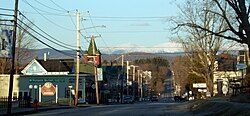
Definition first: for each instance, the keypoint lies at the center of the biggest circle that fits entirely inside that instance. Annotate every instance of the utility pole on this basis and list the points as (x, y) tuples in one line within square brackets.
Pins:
[(77, 56), (127, 77), (122, 80), (12, 60), (133, 83), (78, 15), (138, 85), (94, 63)]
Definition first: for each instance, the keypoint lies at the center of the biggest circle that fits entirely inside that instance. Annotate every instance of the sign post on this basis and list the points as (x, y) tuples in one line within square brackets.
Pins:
[(48, 89)]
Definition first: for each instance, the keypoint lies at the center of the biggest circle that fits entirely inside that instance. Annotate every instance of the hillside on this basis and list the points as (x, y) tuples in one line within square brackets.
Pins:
[(68, 54)]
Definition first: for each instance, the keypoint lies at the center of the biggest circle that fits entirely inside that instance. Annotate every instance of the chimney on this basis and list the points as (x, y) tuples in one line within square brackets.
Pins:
[(44, 56)]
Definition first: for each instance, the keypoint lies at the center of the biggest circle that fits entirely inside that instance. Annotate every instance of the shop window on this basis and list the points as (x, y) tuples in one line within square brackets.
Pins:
[(14, 95), (20, 95)]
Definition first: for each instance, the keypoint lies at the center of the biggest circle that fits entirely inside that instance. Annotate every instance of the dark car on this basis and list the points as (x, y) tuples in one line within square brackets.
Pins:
[(154, 98), (128, 99), (178, 98)]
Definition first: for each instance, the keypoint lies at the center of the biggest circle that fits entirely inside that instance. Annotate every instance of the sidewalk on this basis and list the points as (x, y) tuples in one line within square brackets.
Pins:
[(21, 111)]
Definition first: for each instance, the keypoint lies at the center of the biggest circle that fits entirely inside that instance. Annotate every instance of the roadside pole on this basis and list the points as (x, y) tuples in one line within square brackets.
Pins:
[(77, 54), (12, 60)]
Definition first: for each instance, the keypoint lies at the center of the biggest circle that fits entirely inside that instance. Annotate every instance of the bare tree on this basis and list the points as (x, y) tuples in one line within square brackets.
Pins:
[(23, 44), (235, 13), (180, 67), (4, 59), (201, 46)]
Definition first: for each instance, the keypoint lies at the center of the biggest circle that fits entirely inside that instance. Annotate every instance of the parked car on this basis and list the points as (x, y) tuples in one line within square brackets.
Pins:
[(146, 98), (128, 99), (154, 98), (178, 98), (82, 101)]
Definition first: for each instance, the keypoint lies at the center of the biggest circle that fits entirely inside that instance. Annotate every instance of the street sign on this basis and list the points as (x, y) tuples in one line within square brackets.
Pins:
[(48, 89), (199, 85), (99, 74), (241, 66)]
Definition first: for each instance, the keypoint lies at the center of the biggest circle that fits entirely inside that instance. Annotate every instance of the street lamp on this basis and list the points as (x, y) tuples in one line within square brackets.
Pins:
[(35, 87), (30, 88), (70, 87)]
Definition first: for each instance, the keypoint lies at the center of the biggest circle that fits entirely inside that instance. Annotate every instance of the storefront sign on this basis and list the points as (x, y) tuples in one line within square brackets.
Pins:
[(99, 74), (48, 89), (199, 85), (42, 80)]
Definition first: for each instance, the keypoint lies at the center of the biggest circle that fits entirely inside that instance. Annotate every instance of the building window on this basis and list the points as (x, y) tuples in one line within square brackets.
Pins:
[(241, 60), (14, 95), (241, 56), (20, 95), (23, 95)]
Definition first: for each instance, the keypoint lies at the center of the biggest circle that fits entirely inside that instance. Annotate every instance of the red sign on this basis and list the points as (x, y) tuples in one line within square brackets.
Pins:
[(48, 89)]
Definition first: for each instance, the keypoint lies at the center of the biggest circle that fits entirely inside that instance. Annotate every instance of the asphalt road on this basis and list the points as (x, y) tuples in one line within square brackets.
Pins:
[(138, 109)]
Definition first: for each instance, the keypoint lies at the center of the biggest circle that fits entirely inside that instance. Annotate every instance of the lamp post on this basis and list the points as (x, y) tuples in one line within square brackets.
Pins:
[(30, 88), (70, 87), (35, 87)]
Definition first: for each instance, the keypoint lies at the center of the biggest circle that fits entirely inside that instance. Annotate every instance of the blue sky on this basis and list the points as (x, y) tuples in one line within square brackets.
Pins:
[(139, 22)]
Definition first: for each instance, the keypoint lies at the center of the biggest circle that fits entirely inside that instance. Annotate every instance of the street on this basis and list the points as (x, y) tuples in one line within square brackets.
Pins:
[(138, 109)]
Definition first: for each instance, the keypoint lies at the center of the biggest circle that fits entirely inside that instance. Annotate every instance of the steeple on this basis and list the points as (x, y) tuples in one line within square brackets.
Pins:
[(92, 50), (92, 53)]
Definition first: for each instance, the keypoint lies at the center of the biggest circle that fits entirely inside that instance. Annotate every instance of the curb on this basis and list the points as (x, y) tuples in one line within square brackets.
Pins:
[(41, 109)]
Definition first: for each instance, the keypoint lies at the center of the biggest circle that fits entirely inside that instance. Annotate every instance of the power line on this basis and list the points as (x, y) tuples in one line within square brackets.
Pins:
[(109, 17), (98, 32), (132, 32), (6, 15), (46, 17), (58, 5), (68, 15), (6, 20), (6, 9), (44, 36), (64, 10), (53, 14), (44, 31), (6, 25), (47, 6), (67, 54)]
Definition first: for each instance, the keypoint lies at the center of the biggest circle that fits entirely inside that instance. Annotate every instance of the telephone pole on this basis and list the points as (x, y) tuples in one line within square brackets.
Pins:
[(12, 60), (77, 56), (95, 71), (78, 15)]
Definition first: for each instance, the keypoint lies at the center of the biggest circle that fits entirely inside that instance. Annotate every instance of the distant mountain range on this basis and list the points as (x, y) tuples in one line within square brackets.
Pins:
[(116, 54), (130, 51)]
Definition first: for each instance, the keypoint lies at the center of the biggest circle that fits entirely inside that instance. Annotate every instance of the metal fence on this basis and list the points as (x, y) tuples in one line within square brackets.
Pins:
[(16, 102)]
